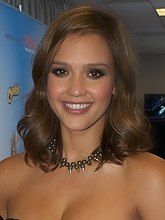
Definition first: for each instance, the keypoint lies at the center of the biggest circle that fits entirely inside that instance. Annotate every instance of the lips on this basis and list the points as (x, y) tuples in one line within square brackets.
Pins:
[(76, 107)]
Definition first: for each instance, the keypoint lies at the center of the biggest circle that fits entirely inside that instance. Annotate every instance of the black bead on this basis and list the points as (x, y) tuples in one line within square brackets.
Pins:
[(84, 161), (73, 164), (67, 164), (79, 162), (90, 158), (89, 162)]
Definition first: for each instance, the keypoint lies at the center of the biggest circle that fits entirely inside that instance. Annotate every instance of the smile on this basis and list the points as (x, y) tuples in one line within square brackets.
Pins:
[(77, 106)]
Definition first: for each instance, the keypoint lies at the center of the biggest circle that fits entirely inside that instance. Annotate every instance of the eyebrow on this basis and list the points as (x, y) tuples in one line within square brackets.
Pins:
[(87, 65)]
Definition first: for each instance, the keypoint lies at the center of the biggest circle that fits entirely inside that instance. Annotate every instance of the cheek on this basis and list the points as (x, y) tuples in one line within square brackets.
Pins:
[(103, 94), (53, 90)]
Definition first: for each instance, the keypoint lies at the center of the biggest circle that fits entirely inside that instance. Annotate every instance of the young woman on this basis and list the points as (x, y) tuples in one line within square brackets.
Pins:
[(85, 139)]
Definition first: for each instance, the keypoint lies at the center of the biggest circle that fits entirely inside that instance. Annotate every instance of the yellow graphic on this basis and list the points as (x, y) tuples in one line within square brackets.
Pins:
[(12, 91)]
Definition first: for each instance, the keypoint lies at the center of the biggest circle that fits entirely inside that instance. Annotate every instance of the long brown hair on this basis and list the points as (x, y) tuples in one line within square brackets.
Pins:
[(126, 131)]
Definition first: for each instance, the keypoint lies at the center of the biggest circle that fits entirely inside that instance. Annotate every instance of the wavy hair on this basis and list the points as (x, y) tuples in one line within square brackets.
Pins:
[(126, 131)]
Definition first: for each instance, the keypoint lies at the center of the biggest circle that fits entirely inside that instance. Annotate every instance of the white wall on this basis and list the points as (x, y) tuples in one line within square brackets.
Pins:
[(151, 76)]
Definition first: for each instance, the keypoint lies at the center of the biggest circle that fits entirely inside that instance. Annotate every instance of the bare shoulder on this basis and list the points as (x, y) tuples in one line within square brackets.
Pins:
[(12, 171), (146, 163), (146, 168), (11, 165), (147, 174)]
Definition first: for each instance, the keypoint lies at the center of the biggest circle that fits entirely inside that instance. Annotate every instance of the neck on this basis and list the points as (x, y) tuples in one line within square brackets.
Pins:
[(79, 144)]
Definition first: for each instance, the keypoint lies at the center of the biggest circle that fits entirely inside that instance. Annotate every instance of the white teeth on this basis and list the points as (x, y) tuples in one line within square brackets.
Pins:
[(77, 106)]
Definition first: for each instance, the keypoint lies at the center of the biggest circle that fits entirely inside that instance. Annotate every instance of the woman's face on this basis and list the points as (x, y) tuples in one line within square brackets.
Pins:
[(81, 82)]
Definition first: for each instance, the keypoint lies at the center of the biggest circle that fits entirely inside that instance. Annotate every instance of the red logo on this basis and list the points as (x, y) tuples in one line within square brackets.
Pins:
[(29, 42)]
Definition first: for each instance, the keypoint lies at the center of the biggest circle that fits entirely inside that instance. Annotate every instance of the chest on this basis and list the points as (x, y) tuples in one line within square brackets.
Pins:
[(78, 199)]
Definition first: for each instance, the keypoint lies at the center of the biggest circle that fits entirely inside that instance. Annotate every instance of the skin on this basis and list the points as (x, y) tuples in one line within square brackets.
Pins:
[(133, 191), (80, 76)]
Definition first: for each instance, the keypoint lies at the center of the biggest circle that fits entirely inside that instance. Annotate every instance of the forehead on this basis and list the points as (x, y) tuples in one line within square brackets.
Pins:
[(93, 46)]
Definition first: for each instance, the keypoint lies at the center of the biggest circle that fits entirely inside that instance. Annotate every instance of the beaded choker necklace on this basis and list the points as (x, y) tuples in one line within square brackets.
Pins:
[(79, 165)]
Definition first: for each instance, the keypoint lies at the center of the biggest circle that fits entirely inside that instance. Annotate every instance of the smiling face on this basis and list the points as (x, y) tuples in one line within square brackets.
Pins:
[(81, 82)]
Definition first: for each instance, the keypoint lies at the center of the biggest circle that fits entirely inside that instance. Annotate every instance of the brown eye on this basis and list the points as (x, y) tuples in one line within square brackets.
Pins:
[(96, 73), (59, 71)]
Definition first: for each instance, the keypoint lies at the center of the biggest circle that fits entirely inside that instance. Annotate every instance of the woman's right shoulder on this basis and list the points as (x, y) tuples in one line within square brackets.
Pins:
[(11, 172), (9, 165), (11, 169)]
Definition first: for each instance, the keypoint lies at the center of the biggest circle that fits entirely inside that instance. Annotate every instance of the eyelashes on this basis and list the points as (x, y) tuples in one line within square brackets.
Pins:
[(93, 73), (59, 71), (96, 73)]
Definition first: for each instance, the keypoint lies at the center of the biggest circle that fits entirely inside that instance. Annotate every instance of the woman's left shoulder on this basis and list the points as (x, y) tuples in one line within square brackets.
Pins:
[(146, 164), (146, 172)]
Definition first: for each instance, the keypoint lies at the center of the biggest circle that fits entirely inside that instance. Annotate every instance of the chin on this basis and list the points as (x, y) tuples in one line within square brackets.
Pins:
[(76, 127)]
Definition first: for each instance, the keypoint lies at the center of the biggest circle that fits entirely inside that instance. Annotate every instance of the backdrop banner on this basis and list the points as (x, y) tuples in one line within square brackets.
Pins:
[(19, 37)]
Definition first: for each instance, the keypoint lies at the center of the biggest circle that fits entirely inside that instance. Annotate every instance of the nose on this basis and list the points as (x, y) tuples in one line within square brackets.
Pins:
[(76, 86)]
